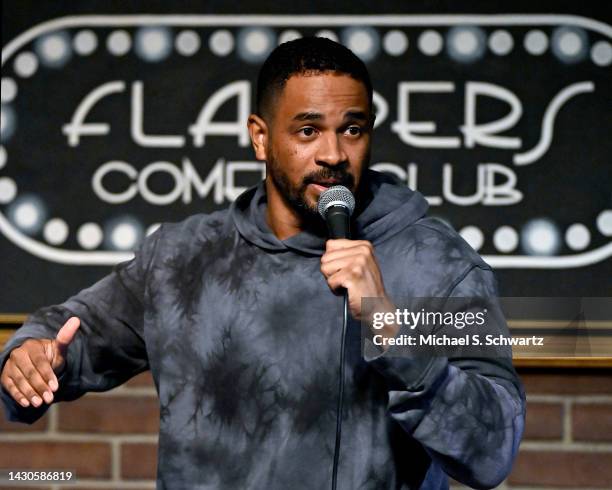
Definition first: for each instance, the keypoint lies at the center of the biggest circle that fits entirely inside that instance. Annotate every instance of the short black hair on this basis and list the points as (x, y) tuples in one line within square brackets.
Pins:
[(304, 56)]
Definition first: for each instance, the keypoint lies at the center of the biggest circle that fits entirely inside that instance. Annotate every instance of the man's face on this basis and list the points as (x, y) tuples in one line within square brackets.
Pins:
[(319, 136)]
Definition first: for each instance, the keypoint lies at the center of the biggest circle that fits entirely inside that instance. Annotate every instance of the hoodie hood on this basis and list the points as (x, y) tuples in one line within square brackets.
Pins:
[(390, 207)]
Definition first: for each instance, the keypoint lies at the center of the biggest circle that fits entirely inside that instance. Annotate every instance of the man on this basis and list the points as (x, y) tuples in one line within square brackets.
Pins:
[(235, 314)]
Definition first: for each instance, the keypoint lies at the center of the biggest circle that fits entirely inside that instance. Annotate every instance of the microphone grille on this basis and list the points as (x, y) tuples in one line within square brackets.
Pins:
[(337, 195)]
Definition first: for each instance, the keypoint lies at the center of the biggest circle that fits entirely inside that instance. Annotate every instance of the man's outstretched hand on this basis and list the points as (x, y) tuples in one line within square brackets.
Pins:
[(29, 374)]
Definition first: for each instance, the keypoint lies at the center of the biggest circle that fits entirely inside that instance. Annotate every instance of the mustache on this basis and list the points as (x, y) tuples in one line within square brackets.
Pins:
[(340, 176)]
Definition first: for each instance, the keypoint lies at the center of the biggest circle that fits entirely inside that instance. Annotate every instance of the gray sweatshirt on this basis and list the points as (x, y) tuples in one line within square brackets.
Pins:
[(242, 336)]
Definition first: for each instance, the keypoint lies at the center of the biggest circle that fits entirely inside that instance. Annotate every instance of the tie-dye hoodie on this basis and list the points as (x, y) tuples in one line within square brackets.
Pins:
[(242, 336)]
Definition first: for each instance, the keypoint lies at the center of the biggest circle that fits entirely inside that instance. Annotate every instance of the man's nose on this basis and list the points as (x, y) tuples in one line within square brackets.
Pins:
[(331, 152)]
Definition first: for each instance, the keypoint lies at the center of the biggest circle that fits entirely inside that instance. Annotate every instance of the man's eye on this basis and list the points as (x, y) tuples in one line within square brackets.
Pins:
[(354, 130), (307, 131)]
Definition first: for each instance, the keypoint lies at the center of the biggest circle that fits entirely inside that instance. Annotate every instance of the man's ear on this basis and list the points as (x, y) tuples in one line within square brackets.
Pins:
[(259, 132)]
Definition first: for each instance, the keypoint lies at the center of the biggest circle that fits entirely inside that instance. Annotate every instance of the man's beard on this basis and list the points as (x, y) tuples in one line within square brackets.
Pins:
[(295, 196)]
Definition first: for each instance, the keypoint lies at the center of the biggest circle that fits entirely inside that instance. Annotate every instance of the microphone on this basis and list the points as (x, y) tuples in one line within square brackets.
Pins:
[(336, 205)]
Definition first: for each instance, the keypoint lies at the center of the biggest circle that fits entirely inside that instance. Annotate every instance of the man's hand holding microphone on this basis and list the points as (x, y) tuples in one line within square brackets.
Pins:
[(30, 373), (351, 264)]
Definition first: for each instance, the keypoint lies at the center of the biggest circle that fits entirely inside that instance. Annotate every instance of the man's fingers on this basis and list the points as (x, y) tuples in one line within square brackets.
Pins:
[(67, 332), (342, 243), (360, 249), (26, 388), (342, 253), (35, 381), (339, 280), (28, 376), (59, 348), (42, 364), (17, 395), (332, 266)]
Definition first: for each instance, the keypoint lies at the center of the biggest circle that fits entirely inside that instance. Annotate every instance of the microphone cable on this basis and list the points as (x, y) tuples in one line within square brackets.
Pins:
[(340, 393), (336, 205)]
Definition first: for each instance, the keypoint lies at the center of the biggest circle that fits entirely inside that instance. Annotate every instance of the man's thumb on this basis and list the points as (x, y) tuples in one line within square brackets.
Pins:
[(67, 333)]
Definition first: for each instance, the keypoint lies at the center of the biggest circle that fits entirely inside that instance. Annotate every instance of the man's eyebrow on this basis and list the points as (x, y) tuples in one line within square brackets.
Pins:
[(314, 116), (308, 116), (358, 115)]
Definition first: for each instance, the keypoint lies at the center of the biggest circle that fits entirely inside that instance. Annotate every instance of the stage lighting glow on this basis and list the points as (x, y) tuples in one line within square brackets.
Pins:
[(56, 231), (536, 42), (8, 190), (54, 50), (124, 236), (221, 43), (28, 213), (505, 239), (604, 222), (119, 43), (2, 156), (577, 236), (85, 42), (569, 44), (288, 35), (187, 43), (89, 235), (331, 35), (395, 43), (473, 236), (254, 44), (601, 53), (123, 233), (153, 43), (26, 64), (9, 90), (501, 42), (540, 237), (363, 41), (465, 44), (430, 43)]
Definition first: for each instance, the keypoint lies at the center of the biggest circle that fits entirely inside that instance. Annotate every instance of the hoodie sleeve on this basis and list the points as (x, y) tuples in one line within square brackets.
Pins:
[(108, 347), (468, 414)]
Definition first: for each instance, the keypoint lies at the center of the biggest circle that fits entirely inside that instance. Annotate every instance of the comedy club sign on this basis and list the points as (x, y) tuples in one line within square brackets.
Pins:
[(114, 124)]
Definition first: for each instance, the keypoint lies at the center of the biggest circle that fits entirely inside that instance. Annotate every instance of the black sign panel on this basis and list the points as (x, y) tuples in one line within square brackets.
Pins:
[(115, 122)]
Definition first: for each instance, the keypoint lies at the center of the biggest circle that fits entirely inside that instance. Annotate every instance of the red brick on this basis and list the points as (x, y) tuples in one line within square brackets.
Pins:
[(568, 382), (142, 380), (562, 469), (40, 425), (139, 461), (544, 421), (110, 414), (592, 422), (91, 460)]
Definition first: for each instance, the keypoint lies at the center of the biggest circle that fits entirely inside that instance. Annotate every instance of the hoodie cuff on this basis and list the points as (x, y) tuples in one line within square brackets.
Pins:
[(402, 373)]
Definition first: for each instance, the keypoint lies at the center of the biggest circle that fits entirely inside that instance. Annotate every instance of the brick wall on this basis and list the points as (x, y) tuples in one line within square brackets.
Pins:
[(568, 437), (109, 439)]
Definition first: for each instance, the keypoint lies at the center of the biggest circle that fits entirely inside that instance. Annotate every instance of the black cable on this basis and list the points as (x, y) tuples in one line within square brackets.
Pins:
[(340, 394)]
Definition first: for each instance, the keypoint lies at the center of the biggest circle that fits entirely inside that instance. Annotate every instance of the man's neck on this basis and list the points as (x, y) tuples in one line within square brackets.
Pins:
[(282, 220)]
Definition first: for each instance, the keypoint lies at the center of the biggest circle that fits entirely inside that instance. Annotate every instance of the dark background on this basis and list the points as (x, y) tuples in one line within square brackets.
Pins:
[(571, 183)]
